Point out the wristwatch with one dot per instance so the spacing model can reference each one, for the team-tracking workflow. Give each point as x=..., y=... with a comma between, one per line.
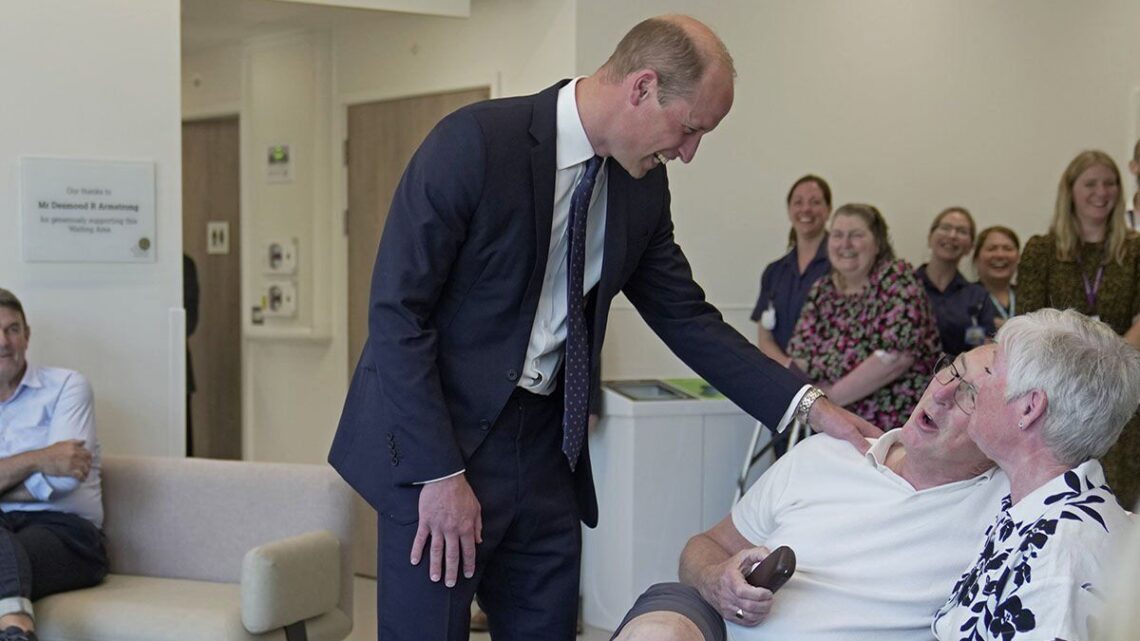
x=806, y=401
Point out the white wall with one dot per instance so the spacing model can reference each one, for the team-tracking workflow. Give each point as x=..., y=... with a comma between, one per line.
x=99, y=79
x=211, y=82
x=295, y=88
x=521, y=45
x=911, y=106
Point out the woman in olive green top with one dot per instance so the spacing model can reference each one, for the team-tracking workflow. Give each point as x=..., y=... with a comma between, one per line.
x=1090, y=261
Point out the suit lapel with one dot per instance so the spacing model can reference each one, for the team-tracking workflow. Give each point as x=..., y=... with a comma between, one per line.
x=543, y=131
x=617, y=229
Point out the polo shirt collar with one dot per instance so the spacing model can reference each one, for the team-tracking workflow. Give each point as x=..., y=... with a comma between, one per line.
x=877, y=456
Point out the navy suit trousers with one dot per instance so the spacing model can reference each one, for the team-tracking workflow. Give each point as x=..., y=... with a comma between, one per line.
x=527, y=568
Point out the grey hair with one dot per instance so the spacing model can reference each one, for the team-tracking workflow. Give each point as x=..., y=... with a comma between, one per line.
x=1090, y=377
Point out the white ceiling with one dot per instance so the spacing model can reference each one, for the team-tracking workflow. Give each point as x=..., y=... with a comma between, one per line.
x=209, y=23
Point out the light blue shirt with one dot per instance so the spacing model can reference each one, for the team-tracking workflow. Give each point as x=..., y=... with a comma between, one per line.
x=49, y=406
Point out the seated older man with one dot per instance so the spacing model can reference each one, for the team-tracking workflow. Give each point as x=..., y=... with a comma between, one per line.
x=50, y=495
x=879, y=538
x=1062, y=388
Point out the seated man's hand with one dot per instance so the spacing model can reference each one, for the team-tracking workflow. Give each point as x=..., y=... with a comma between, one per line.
x=66, y=458
x=724, y=587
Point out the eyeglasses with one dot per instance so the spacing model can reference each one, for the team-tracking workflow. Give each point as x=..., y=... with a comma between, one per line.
x=946, y=372
x=953, y=230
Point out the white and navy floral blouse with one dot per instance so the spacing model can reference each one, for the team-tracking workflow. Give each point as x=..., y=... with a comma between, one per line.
x=1041, y=574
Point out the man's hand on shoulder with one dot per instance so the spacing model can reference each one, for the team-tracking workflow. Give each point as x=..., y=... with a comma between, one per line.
x=830, y=419
x=65, y=458
x=451, y=517
x=724, y=587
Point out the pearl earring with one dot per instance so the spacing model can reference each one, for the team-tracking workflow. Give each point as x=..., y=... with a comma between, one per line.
x=1021, y=425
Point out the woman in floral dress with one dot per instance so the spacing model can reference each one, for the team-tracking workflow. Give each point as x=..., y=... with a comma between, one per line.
x=866, y=334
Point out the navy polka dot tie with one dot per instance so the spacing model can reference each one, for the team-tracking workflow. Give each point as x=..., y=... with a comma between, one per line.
x=577, y=384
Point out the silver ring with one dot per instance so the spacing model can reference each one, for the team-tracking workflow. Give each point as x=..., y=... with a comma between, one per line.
x=739, y=613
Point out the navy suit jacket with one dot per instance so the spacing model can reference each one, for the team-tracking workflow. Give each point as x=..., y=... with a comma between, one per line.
x=456, y=285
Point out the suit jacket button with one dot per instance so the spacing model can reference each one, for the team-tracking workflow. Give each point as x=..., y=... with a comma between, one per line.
x=484, y=425
x=512, y=375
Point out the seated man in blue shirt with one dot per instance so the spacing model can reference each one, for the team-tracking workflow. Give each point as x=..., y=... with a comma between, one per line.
x=51, y=507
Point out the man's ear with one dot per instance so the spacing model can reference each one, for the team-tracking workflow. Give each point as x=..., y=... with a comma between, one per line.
x=643, y=86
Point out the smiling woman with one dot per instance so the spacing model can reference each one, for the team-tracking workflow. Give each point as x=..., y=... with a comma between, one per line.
x=995, y=260
x=1090, y=261
x=964, y=313
x=866, y=334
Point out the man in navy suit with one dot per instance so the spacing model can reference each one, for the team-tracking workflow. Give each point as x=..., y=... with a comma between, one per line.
x=453, y=427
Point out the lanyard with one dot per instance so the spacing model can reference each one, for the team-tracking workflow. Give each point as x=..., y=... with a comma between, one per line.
x=1090, y=290
x=1006, y=313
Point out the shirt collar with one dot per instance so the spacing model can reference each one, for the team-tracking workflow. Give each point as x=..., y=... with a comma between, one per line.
x=958, y=282
x=1032, y=506
x=877, y=456
x=31, y=379
x=572, y=145
x=791, y=258
x=821, y=251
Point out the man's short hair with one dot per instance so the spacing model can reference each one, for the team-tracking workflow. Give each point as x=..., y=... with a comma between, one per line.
x=664, y=45
x=9, y=301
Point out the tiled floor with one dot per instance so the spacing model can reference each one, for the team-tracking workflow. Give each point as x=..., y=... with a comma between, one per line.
x=364, y=617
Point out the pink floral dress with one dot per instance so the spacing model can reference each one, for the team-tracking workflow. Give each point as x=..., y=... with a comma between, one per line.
x=836, y=332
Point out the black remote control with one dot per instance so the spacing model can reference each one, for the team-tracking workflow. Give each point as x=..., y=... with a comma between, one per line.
x=775, y=570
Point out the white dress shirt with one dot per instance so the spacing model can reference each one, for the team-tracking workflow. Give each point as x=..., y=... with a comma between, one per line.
x=548, y=333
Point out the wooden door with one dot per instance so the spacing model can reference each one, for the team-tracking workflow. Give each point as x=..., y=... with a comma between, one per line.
x=210, y=219
x=382, y=136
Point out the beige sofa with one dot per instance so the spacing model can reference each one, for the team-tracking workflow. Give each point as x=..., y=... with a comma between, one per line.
x=209, y=550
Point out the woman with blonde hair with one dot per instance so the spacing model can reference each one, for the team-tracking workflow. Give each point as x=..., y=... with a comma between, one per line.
x=1090, y=261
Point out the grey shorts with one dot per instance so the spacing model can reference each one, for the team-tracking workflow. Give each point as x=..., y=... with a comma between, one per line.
x=682, y=599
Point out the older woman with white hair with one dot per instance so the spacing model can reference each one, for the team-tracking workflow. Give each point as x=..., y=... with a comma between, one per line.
x=1059, y=391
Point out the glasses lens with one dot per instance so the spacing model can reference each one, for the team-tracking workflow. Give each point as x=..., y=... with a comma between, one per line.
x=943, y=370
x=965, y=396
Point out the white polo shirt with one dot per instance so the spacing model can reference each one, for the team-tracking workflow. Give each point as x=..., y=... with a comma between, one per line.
x=874, y=557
